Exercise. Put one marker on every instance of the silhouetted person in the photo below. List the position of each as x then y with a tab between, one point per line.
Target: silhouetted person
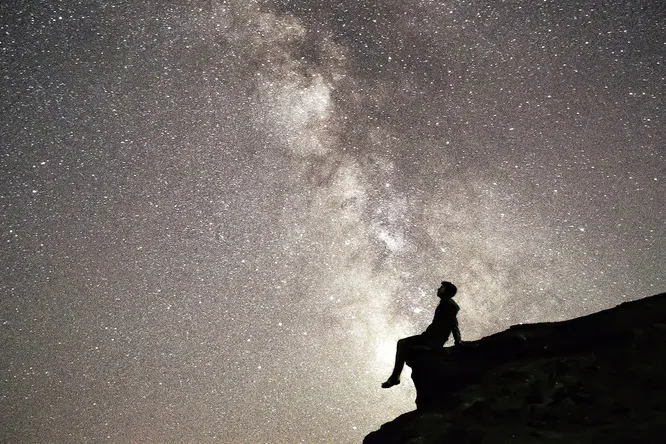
435	336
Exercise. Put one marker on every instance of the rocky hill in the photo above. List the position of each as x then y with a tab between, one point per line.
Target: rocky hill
600	378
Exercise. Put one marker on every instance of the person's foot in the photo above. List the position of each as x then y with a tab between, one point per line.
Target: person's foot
390	382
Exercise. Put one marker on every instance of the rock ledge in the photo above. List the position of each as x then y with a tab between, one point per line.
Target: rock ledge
597	378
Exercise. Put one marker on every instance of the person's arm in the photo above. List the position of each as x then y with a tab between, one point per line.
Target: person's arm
456	334
455	329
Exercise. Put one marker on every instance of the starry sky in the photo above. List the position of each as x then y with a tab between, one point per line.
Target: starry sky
217	217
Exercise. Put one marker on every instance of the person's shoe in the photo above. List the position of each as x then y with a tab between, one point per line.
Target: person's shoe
390	382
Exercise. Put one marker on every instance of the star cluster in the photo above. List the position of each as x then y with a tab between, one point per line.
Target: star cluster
218	216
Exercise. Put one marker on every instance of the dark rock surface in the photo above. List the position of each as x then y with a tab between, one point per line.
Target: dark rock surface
600	378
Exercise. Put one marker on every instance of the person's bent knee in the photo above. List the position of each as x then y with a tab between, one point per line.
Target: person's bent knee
405	342
408	341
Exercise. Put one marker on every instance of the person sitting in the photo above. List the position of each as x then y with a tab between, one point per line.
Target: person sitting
435	336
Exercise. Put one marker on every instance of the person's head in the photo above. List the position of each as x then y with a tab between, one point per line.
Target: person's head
447	290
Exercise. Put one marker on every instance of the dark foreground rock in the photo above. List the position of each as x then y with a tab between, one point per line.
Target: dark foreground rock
600	378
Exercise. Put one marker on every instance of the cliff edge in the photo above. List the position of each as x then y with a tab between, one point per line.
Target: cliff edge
597	378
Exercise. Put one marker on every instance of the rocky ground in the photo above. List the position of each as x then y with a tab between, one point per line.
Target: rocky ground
600	378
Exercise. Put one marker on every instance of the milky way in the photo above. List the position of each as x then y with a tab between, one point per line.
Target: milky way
218	216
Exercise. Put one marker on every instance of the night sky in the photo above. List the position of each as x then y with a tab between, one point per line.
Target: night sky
217	217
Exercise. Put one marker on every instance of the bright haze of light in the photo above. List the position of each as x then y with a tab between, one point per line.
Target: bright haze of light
217	217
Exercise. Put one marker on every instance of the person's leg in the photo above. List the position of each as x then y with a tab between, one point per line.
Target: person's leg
404	345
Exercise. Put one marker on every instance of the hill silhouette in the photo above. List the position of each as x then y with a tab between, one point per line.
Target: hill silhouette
597	378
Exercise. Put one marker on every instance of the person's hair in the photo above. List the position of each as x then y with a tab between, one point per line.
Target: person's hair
450	289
